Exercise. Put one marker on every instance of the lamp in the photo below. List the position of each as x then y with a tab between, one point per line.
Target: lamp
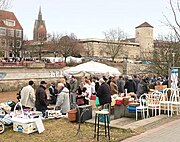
173	55
40	49
125	70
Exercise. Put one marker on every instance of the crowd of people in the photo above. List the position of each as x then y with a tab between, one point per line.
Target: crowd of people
71	91
20	59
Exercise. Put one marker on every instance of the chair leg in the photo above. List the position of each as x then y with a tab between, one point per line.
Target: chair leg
168	109
136	114
105	118
177	110
147	113
171	110
143	114
98	130
108	121
95	126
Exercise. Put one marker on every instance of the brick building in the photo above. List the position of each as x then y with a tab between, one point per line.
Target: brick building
39	32
11	35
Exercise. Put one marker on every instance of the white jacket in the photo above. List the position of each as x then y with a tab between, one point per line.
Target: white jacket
28	96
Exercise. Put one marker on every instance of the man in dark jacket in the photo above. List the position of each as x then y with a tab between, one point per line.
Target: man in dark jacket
41	98
104	92
120	84
130	85
142	87
53	93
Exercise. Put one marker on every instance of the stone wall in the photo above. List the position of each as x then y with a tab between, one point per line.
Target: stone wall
14	85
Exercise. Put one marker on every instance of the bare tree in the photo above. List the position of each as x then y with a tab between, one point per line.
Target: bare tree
174	25
162	59
4	4
66	46
114	40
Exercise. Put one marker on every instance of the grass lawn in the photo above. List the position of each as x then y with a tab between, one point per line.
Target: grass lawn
61	130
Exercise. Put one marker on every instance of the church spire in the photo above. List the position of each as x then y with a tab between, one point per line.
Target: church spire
40	14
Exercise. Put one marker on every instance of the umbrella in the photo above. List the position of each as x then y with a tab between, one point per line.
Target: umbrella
94	68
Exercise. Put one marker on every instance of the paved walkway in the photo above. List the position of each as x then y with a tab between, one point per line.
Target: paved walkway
169	132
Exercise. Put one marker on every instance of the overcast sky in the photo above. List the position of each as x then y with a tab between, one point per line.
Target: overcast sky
89	18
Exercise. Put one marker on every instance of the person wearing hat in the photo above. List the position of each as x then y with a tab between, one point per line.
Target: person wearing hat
62	102
27	96
41	98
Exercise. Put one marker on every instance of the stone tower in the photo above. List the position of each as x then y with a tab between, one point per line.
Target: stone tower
144	36
39	32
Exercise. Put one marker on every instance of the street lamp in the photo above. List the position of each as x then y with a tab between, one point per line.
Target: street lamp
40	49
173	55
125	70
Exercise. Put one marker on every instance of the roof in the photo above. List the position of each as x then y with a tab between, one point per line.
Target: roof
145	24
9	15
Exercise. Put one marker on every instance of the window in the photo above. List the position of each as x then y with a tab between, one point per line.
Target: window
18	33
11	43
3	42
9	22
2	31
11	32
18	44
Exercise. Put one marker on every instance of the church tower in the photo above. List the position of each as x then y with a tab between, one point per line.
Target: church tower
39	32
144	36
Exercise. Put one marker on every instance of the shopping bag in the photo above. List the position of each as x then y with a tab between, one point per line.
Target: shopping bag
97	101
22	122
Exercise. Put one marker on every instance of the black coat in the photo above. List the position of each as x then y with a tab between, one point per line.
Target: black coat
41	98
130	86
104	94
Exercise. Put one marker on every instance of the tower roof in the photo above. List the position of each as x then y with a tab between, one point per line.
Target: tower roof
40	14
145	24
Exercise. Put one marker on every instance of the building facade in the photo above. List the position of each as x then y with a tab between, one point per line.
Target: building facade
11	35
137	48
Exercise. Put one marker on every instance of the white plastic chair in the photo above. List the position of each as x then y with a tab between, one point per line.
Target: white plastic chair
154	101
175	102
166	100
143	106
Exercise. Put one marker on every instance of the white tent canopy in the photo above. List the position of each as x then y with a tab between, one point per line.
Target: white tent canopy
93	68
